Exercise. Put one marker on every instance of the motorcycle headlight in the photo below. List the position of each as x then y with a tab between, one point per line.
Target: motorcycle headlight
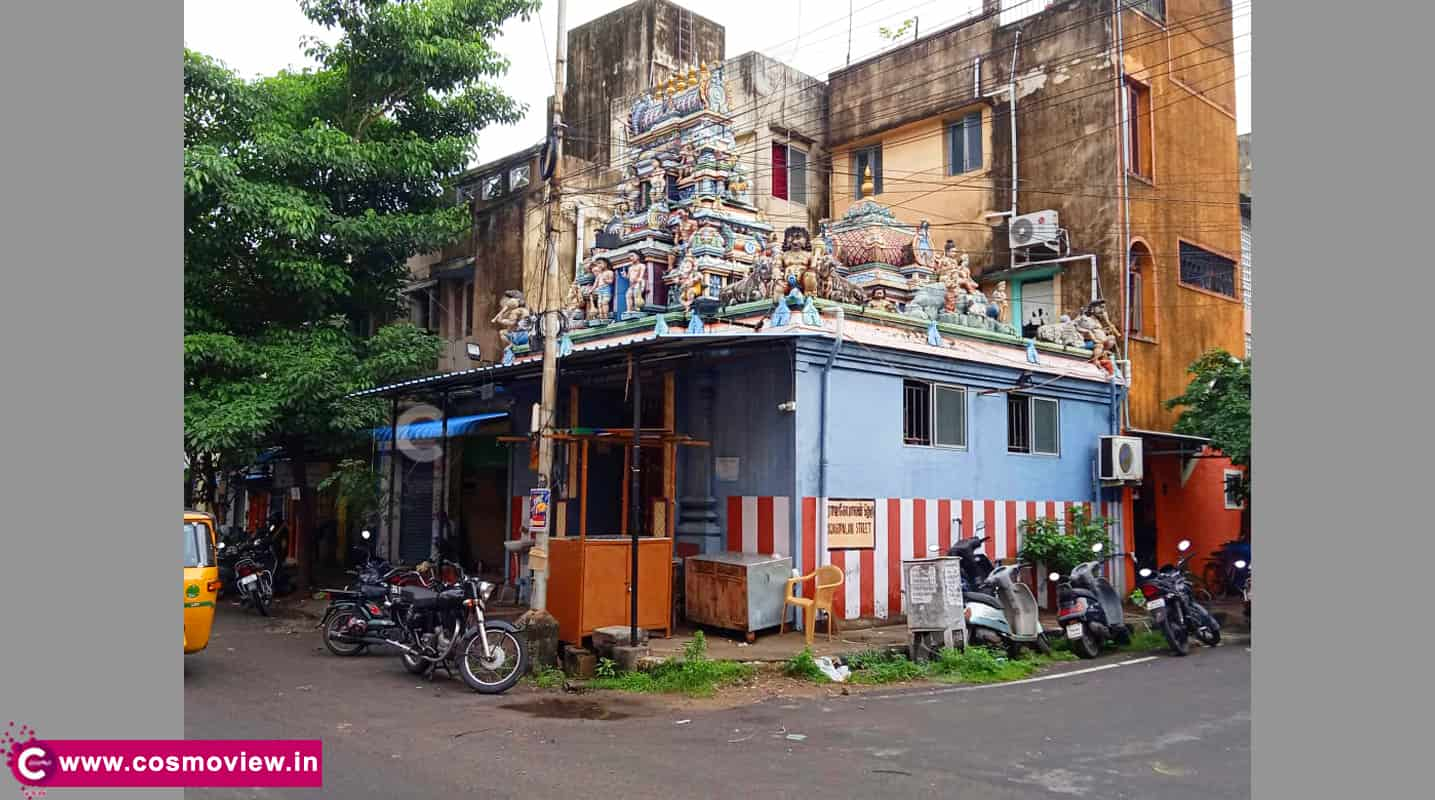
484	590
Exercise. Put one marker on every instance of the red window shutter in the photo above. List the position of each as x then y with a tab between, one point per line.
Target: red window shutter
779	171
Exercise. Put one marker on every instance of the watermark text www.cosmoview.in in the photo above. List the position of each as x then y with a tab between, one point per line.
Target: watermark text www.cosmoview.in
167	763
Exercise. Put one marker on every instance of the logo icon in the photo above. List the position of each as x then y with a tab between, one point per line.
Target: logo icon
420	428
192	591
29	759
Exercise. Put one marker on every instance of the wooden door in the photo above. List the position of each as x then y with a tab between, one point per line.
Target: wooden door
655	584
605	585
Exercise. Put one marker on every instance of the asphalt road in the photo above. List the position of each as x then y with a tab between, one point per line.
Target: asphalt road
1164	727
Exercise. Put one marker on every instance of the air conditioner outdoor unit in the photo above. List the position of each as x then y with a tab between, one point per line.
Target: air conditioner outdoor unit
1037	228
1120	458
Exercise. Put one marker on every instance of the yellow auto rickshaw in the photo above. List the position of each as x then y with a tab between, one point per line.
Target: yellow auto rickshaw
201	579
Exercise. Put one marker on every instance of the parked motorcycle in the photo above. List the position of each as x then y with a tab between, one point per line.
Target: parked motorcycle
1225	570
1000	610
443	626
1173	608
254	574
1089	609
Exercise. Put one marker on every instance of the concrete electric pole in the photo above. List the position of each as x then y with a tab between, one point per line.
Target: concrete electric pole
541	626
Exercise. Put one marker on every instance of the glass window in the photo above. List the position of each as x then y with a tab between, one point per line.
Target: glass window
964	144
198	549
1033	425
1046	427
796	176
950	410
862	160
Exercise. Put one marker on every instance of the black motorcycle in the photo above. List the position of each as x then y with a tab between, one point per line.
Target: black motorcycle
441	625
1174	611
1089	608
252	566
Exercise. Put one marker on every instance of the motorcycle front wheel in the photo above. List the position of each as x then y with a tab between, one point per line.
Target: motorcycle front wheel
506	663
261	603
1176	636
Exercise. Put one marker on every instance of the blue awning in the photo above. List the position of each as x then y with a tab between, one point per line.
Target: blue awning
433	429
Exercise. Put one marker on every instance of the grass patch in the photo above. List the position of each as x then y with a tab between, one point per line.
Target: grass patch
804	667
1144	642
695	675
976	665
547	678
980	665
893	668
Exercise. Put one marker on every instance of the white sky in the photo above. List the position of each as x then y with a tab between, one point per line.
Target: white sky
258	37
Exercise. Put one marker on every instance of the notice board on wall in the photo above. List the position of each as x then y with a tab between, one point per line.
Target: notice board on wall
851	524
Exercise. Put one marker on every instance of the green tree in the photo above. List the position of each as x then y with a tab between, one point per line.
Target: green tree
1217	405
304	195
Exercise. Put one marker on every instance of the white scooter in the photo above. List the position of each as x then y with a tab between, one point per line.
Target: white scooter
1000	609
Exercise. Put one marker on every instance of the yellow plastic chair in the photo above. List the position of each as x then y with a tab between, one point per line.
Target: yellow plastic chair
827	580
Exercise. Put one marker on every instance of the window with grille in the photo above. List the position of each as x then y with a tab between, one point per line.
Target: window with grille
493	186
1155	9
964	144
916	413
1205	270
518	177
934	415
1033	425
1235	480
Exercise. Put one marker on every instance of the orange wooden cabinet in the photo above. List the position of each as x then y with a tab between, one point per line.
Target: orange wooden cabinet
589	579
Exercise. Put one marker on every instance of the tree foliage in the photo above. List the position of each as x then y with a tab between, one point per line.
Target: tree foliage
1217	405
304	195
1061	546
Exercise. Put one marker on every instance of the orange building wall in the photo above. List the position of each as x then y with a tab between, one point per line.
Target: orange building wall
1193	194
1195	511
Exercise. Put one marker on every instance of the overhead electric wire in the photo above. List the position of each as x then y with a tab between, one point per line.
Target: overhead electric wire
1051	100
1215	18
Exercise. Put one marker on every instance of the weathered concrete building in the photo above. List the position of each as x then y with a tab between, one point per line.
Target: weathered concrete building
615	58
779	116
1124	126
779	120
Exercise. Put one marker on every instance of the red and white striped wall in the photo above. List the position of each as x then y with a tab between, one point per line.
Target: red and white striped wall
906	526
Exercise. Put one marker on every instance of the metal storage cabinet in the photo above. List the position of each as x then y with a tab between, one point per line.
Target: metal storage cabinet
736	591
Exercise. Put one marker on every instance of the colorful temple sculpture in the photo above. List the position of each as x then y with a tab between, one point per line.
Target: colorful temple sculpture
687	237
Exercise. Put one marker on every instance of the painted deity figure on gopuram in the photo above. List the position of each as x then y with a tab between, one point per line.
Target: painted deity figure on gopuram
686	233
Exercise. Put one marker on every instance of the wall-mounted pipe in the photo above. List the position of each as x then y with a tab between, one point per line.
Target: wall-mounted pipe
1121	103
822	414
